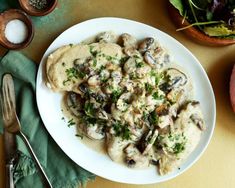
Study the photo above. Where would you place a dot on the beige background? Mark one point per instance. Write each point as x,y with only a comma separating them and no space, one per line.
216,168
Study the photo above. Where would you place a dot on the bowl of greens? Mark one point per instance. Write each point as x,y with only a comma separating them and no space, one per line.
210,22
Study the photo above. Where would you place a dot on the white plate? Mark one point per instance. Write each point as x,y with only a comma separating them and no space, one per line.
99,164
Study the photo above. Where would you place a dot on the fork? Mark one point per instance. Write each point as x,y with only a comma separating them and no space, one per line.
11,121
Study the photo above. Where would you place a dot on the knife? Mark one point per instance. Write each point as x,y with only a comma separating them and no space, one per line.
10,157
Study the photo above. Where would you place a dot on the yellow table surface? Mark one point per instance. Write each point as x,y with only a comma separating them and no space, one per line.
216,167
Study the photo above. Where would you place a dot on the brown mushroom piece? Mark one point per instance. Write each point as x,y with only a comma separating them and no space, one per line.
74,103
94,131
147,141
108,37
175,79
115,146
146,44
129,41
134,158
191,113
83,88
196,117
83,65
157,57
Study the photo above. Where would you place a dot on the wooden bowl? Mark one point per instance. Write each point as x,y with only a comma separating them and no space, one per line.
195,33
9,15
25,5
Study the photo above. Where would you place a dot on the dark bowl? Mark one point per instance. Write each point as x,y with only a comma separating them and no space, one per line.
9,15
195,33
25,5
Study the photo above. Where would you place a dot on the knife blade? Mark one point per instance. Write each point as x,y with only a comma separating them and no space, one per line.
10,156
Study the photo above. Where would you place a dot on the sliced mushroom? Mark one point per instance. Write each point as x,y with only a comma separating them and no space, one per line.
101,114
164,121
106,37
134,158
157,58
83,65
124,101
104,75
191,113
131,52
94,80
147,141
95,131
197,117
115,146
99,96
162,109
176,78
130,66
84,88
74,102
129,41
146,44
116,76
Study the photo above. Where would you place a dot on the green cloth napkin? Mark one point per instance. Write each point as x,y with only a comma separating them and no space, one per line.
61,170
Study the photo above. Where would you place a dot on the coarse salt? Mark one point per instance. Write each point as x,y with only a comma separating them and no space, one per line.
16,31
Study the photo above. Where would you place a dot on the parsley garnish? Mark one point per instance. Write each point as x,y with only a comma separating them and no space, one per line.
122,130
158,77
115,95
123,60
72,73
156,96
148,87
71,123
79,135
94,62
153,118
89,109
139,64
178,148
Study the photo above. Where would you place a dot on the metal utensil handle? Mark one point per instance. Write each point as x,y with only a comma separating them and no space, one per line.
9,175
47,182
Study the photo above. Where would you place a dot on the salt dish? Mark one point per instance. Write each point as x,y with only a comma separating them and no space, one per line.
16,29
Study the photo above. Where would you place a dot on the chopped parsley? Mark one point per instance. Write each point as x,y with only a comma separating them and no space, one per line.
94,62
178,147
109,58
115,95
88,120
133,76
153,118
156,96
122,130
124,59
139,64
79,135
136,56
73,73
71,123
148,87
145,116
158,77
89,109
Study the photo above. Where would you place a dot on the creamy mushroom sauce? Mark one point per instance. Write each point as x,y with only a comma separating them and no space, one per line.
129,98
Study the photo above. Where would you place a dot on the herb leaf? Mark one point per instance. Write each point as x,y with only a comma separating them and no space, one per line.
71,123
122,130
